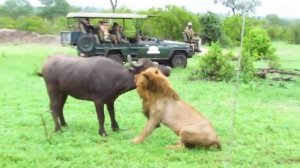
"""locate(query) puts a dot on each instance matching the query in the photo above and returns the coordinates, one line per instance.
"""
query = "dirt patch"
(19, 36)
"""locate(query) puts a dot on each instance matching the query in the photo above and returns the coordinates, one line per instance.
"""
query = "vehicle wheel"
(116, 58)
(179, 61)
(86, 44)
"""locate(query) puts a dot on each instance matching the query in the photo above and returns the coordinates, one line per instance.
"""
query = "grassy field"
(265, 133)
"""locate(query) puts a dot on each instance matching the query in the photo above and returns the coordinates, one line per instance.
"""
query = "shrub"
(232, 27)
(293, 35)
(247, 67)
(258, 44)
(211, 28)
(215, 65)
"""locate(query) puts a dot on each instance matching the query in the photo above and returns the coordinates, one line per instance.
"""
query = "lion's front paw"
(137, 140)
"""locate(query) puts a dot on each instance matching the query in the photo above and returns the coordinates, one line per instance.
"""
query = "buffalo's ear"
(156, 71)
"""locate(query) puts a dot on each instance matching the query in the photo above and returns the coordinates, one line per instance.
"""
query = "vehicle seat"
(120, 39)
(81, 28)
(101, 37)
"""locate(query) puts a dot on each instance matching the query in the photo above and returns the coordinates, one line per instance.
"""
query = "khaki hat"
(190, 24)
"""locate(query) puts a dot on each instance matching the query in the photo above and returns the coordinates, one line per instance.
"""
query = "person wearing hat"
(193, 37)
(190, 32)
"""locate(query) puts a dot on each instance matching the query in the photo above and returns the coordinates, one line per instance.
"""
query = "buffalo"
(96, 79)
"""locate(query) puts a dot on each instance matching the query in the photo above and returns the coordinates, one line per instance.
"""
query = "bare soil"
(19, 36)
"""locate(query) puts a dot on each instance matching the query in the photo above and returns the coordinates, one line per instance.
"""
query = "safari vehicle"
(93, 44)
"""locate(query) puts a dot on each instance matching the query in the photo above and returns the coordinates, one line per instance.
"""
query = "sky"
(283, 8)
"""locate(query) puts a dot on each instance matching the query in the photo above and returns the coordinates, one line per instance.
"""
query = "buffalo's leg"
(62, 101)
(111, 110)
(101, 118)
(56, 105)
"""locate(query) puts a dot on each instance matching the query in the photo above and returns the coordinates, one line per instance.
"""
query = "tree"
(46, 2)
(16, 8)
(58, 8)
(170, 22)
(114, 5)
(232, 27)
(211, 28)
(293, 35)
(242, 6)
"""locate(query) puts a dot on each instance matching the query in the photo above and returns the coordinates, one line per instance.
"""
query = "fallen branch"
(283, 79)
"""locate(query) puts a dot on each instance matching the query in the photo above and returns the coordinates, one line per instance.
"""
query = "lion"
(161, 104)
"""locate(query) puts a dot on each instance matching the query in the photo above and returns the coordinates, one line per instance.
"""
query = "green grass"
(265, 133)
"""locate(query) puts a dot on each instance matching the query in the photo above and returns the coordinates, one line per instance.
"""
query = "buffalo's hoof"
(116, 129)
(64, 124)
(103, 134)
(57, 129)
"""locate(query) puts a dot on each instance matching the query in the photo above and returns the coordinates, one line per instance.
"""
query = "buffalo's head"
(145, 63)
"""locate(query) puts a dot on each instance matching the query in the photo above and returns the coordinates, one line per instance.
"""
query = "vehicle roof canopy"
(106, 15)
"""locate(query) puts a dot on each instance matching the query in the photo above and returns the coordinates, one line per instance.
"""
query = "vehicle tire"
(179, 61)
(116, 58)
(86, 44)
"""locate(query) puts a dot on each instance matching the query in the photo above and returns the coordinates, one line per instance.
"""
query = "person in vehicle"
(104, 34)
(114, 30)
(87, 27)
(122, 32)
(190, 33)
(141, 35)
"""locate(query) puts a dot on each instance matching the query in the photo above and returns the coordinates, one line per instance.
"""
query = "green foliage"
(276, 27)
(232, 27)
(16, 8)
(247, 67)
(293, 34)
(258, 44)
(170, 23)
(276, 32)
(60, 8)
(33, 24)
(211, 28)
(7, 22)
(215, 65)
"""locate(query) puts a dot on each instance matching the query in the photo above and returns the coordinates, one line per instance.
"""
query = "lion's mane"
(152, 86)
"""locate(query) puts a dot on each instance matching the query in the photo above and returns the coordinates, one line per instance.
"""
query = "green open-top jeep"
(94, 44)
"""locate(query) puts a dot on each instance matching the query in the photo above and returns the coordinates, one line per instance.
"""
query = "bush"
(247, 67)
(232, 27)
(293, 35)
(211, 28)
(258, 44)
(215, 65)
(7, 22)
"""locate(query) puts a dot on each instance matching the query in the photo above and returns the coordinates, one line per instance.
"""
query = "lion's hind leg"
(198, 135)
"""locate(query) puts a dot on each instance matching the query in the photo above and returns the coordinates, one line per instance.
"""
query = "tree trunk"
(113, 5)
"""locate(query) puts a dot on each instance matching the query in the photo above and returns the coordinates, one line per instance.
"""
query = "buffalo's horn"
(169, 68)
(129, 60)
(133, 64)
